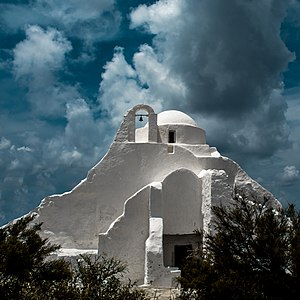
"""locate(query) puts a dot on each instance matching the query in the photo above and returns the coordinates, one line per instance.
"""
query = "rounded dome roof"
(174, 117)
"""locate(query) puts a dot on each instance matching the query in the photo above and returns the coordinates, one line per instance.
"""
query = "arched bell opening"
(127, 131)
(141, 126)
(145, 114)
(141, 118)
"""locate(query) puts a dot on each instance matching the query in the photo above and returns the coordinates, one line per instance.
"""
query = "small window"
(172, 136)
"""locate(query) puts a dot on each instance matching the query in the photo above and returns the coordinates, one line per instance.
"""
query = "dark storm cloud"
(230, 58)
(233, 55)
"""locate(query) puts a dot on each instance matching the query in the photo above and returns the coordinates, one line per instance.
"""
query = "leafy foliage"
(24, 271)
(28, 272)
(103, 278)
(252, 253)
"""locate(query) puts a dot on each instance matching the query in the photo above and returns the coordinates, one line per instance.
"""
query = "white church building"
(144, 200)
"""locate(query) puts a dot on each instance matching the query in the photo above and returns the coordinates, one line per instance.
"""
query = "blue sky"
(69, 70)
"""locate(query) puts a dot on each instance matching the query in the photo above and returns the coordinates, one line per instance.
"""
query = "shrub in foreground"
(28, 272)
(254, 253)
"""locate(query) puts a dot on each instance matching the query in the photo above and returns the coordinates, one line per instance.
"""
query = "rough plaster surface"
(126, 237)
(143, 189)
(156, 273)
(205, 177)
(154, 252)
(97, 201)
(181, 202)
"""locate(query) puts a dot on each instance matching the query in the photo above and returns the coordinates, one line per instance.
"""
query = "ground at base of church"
(162, 293)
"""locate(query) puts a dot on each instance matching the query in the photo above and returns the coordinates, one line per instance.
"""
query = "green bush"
(254, 253)
(103, 278)
(27, 272)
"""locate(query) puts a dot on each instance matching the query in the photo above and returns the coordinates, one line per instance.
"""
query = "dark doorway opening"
(172, 136)
(181, 252)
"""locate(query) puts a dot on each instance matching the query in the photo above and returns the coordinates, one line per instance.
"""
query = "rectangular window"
(172, 136)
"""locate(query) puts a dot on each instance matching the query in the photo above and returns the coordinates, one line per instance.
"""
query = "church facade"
(143, 202)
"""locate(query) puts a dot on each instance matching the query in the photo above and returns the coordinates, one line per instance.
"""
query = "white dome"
(174, 117)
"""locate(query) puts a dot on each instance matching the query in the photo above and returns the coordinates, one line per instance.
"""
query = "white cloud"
(290, 175)
(75, 10)
(79, 144)
(82, 132)
(47, 158)
(163, 85)
(4, 143)
(43, 51)
(158, 17)
(120, 88)
(51, 101)
(71, 156)
(37, 61)
(91, 21)
(24, 148)
(15, 164)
